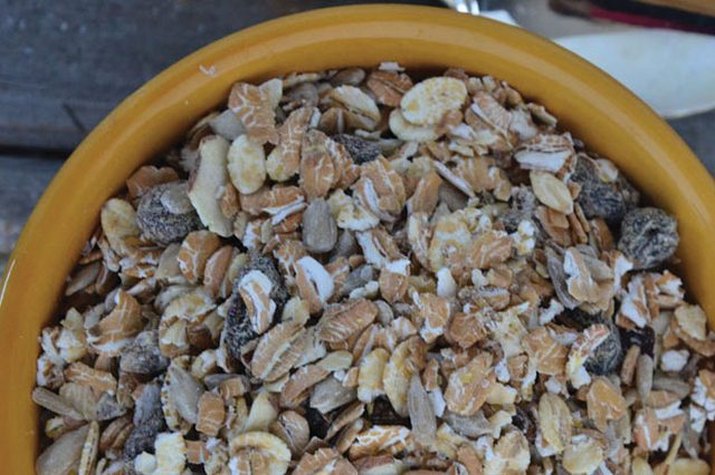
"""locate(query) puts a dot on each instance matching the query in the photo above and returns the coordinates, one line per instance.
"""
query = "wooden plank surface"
(22, 181)
(65, 63)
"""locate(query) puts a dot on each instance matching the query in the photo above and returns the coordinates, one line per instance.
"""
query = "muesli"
(370, 271)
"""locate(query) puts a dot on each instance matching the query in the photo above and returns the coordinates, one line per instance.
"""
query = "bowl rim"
(183, 75)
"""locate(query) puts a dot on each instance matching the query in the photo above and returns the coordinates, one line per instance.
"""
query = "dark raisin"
(649, 237)
(602, 200)
(607, 356)
(143, 355)
(148, 422)
(317, 422)
(644, 338)
(361, 150)
(266, 264)
(598, 199)
(165, 214)
(525, 423)
(577, 318)
(381, 412)
(238, 329)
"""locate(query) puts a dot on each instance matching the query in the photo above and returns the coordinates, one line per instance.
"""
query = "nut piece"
(246, 165)
(208, 181)
(428, 101)
(649, 237)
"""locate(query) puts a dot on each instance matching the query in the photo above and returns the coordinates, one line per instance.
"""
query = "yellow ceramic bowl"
(589, 103)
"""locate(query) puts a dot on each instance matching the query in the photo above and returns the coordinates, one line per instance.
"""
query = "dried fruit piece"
(165, 213)
(649, 237)
(360, 150)
(598, 198)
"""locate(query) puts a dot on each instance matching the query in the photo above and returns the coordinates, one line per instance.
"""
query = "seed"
(320, 232)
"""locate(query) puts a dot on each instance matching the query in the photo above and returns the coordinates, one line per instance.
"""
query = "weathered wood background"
(65, 63)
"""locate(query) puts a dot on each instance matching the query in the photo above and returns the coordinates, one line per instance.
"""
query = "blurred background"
(64, 64)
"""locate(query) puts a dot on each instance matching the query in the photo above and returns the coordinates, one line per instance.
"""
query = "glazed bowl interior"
(608, 118)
